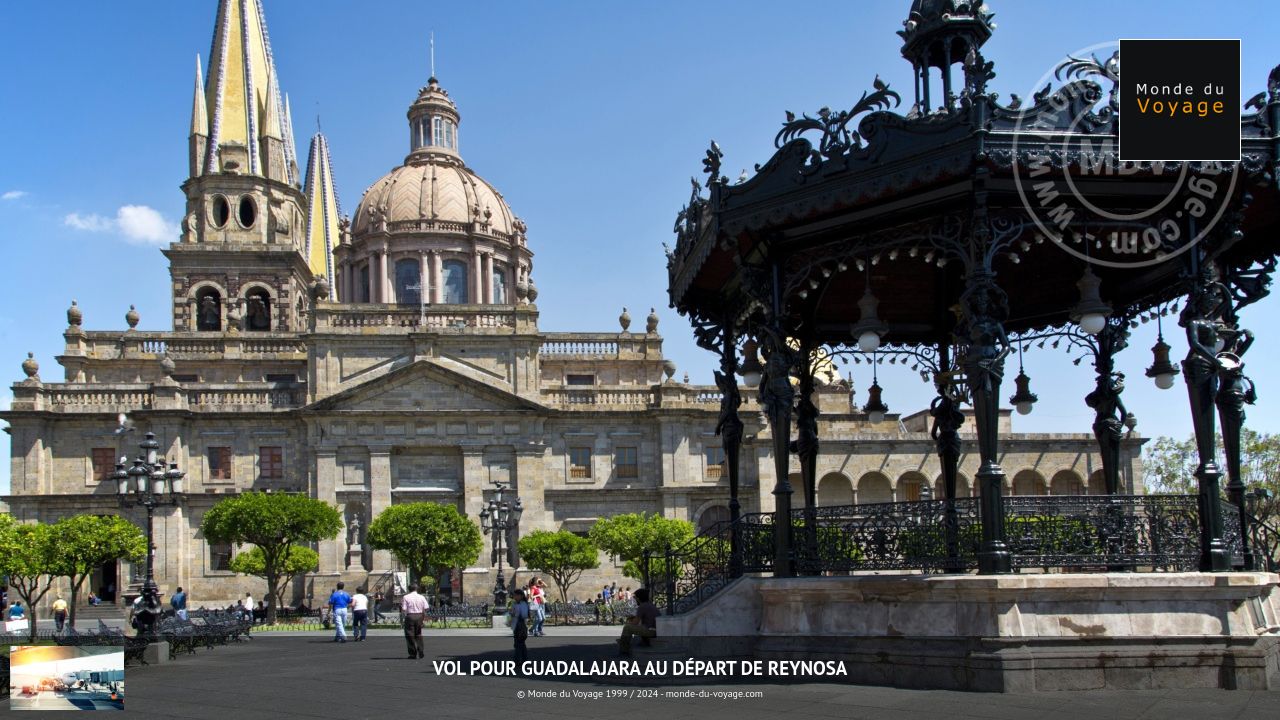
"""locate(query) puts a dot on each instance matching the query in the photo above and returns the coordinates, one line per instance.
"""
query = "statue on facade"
(353, 534)
(1201, 318)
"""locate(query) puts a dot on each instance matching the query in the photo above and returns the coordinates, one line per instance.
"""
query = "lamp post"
(499, 518)
(148, 484)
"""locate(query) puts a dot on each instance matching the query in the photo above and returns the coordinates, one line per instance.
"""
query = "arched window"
(711, 516)
(1029, 482)
(1066, 482)
(408, 282)
(835, 489)
(437, 130)
(362, 281)
(257, 314)
(454, 278)
(450, 140)
(499, 285)
(874, 488)
(208, 310)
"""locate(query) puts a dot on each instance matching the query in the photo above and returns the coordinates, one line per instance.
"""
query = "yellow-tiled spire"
(199, 118)
(242, 97)
(322, 211)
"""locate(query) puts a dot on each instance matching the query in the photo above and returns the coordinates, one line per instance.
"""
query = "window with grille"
(219, 463)
(715, 462)
(580, 462)
(104, 463)
(271, 462)
(220, 557)
(626, 463)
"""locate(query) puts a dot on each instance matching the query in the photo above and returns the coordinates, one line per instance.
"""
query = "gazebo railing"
(1075, 533)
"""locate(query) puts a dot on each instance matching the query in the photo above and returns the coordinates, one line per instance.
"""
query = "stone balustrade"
(106, 345)
(701, 397)
(581, 348)
(125, 398)
(374, 317)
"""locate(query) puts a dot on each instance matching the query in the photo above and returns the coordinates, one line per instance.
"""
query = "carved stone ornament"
(132, 317)
(74, 315)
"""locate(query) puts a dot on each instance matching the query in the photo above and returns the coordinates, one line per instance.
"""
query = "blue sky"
(588, 117)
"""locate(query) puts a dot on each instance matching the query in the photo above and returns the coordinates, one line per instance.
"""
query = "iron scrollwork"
(837, 138)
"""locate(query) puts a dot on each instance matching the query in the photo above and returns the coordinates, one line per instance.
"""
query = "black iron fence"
(1143, 533)
(577, 613)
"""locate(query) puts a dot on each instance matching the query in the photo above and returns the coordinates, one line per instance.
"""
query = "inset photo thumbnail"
(66, 678)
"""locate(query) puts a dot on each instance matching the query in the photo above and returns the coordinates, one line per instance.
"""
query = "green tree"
(276, 523)
(298, 560)
(84, 542)
(426, 537)
(562, 555)
(631, 536)
(1170, 465)
(28, 557)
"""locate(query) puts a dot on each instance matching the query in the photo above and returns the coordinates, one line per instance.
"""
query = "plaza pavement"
(306, 675)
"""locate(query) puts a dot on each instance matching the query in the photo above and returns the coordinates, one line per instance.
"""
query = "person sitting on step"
(644, 623)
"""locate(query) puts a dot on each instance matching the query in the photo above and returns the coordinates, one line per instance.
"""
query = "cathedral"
(394, 356)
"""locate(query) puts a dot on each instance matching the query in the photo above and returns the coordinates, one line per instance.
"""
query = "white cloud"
(13, 195)
(137, 224)
(91, 223)
(145, 225)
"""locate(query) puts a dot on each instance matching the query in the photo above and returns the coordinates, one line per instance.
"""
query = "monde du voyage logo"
(1172, 114)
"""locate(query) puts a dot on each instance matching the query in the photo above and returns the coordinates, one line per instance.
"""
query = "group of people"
(344, 605)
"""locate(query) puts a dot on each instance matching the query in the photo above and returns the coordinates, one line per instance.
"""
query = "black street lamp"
(499, 518)
(148, 484)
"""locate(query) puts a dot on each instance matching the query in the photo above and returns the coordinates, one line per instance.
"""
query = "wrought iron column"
(729, 428)
(1234, 391)
(947, 419)
(1200, 369)
(777, 396)
(985, 305)
(806, 449)
(1109, 412)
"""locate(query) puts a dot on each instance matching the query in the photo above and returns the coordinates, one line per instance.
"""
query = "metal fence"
(1094, 533)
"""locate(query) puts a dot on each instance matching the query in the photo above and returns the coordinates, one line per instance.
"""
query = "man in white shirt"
(413, 608)
(359, 615)
(246, 607)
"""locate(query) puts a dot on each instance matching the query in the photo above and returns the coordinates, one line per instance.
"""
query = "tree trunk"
(75, 592)
(272, 578)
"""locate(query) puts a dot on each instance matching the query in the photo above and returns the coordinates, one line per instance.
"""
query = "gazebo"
(956, 236)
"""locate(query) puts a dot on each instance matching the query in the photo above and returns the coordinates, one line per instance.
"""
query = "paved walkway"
(309, 676)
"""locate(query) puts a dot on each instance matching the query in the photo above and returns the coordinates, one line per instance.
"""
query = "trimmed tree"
(276, 523)
(562, 555)
(298, 560)
(84, 542)
(426, 537)
(629, 537)
(28, 556)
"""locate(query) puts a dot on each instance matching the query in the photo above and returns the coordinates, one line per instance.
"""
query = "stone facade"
(406, 364)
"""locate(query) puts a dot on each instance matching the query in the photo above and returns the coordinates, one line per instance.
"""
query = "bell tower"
(241, 262)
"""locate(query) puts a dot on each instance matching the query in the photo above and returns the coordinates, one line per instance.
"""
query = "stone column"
(384, 283)
(437, 273)
(477, 581)
(379, 497)
(477, 292)
(424, 278)
(487, 277)
(333, 550)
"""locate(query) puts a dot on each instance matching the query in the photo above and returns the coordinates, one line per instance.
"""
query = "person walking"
(246, 607)
(59, 613)
(178, 601)
(339, 601)
(413, 608)
(360, 615)
(537, 605)
(378, 599)
(518, 617)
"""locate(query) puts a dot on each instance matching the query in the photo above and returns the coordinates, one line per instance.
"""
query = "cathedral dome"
(433, 193)
(431, 231)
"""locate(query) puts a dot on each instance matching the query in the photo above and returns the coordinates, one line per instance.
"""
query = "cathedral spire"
(199, 138)
(242, 96)
(322, 211)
